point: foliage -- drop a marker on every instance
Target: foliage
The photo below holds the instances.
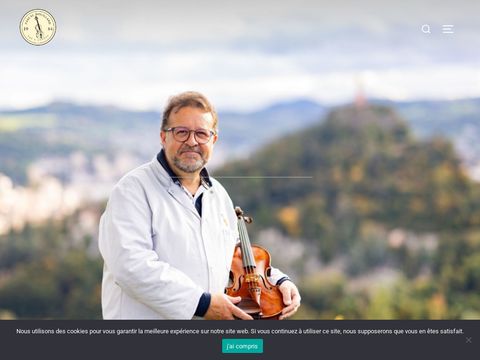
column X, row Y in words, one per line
column 348, row 186
column 46, row 274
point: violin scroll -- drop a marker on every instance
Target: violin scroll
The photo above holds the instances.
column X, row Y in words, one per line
column 240, row 215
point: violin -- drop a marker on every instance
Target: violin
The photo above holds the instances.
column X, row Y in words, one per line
column 249, row 277
column 38, row 29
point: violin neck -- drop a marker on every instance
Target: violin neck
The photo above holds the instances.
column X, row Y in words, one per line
column 247, row 253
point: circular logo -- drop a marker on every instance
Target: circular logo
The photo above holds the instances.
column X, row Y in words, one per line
column 38, row 27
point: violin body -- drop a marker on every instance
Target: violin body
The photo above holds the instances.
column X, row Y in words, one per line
column 271, row 300
column 249, row 277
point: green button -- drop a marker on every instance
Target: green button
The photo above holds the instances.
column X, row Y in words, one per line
column 242, row 346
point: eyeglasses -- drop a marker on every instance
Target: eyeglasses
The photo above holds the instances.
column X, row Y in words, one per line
column 182, row 134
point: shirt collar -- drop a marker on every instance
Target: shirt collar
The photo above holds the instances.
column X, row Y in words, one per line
column 204, row 176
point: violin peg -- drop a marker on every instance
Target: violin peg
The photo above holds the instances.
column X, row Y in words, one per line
column 238, row 211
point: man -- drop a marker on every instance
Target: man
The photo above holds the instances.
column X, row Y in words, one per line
column 169, row 230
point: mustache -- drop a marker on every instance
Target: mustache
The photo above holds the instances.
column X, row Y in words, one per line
column 186, row 148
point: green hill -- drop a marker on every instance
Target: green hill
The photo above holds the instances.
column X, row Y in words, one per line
column 361, row 164
column 393, row 220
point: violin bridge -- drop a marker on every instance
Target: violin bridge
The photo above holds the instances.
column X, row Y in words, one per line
column 253, row 281
column 252, row 278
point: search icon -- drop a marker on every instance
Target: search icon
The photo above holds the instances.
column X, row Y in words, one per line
column 426, row 29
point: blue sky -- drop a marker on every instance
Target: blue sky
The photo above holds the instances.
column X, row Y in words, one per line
column 242, row 55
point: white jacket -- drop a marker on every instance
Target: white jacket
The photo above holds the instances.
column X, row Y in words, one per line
column 160, row 255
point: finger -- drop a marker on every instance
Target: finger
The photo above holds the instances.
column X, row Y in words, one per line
column 287, row 295
column 283, row 317
column 288, row 314
column 295, row 302
column 295, row 292
column 240, row 314
column 288, row 309
column 234, row 299
column 296, row 298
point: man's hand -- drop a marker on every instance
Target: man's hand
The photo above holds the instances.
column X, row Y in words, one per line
column 291, row 298
column 222, row 308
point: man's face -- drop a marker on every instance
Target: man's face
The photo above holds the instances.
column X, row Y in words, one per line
column 188, row 156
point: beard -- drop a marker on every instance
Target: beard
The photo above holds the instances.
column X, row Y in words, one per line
column 193, row 163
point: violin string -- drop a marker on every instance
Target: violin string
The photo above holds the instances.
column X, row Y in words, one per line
column 247, row 245
column 249, row 252
column 247, row 257
column 242, row 241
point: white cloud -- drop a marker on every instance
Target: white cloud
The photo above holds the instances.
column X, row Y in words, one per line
column 243, row 54
column 233, row 80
